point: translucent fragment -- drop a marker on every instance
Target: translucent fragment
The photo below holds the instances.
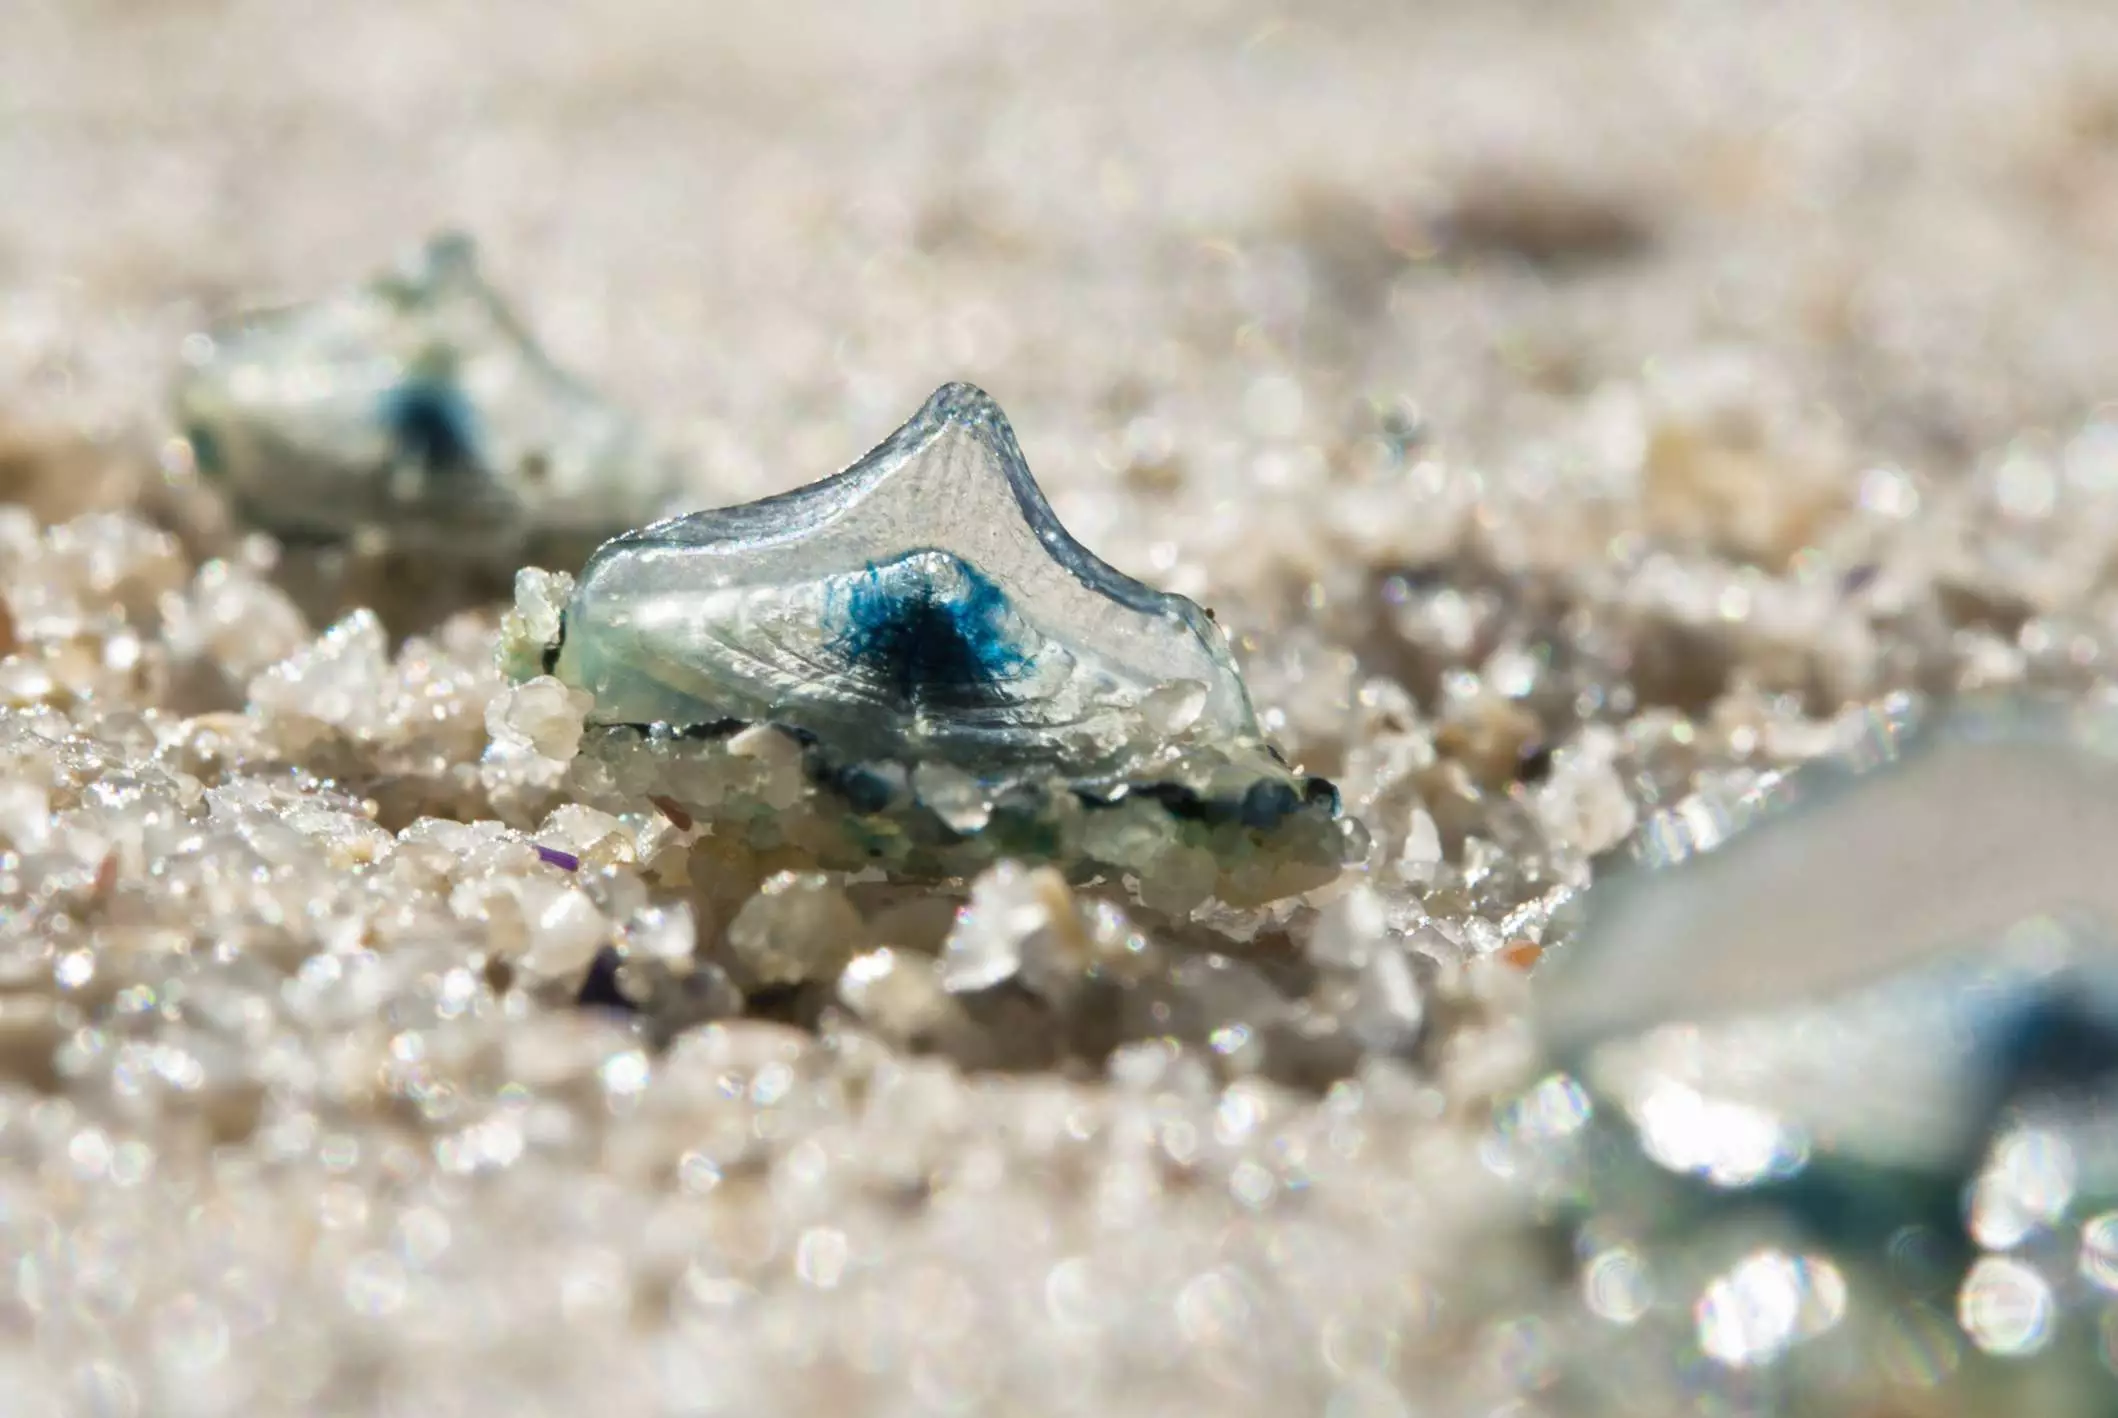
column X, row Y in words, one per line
column 948, row 658
column 1890, row 997
column 414, row 406
column 1877, row 1015
column 923, row 603
column 1934, row 853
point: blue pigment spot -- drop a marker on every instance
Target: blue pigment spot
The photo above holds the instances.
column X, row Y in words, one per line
column 1266, row 802
column 864, row 789
column 928, row 645
column 431, row 425
column 205, row 450
column 2057, row 1041
column 1321, row 790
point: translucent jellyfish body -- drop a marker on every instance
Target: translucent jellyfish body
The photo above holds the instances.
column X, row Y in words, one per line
column 954, row 676
column 416, row 411
column 1876, row 1031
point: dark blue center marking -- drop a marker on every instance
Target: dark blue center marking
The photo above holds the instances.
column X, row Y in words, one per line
column 431, row 425
column 205, row 450
column 927, row 645
column 2060, row 1040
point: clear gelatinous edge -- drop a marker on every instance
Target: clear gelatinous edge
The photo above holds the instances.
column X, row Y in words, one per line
column 970, row 408
column 470, row 515
column 1866, row 1140
column 792, row 517
column 2000, row 1046
column 1204, row 782
column 1591, row 992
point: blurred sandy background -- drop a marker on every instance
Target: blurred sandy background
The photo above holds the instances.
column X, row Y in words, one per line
column 772, row 218
column 1290, row 307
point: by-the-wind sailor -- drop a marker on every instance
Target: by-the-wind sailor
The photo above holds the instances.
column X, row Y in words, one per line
column 417, row 409
column 1876, row 1032
column 954, row 677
